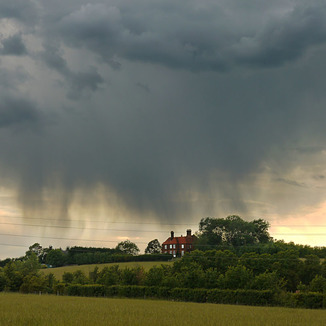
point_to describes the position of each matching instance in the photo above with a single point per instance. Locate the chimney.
(172, 235)
(188, 233)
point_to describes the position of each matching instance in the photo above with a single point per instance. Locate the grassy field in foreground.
(20, 309)
(58, 272)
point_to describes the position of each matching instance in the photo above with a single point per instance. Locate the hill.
(59, 271)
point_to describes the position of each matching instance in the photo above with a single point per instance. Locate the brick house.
(178, 246)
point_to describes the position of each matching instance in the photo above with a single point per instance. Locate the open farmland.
(58, 271)
(20, 309)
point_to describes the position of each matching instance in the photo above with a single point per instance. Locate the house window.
(165, 246)
(174, 246)
(182, 253)
(182, 246)
(170, 252)
(170, 246)
(189, 246)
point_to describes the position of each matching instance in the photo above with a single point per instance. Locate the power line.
(82, 228)
(129, 230)
(135, 230)
(60, 238)
(141, 223)
(96, 221)
(12, 245)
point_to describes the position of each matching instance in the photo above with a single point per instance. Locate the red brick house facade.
(178, 246)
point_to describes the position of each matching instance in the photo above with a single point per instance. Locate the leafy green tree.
(33, 283)
(222, 260)
(56, 258)
(133, 276)
(109, 275)
(189, 273)
(323, 268)
(36, 248)
(238, 277)
(211, 278)
(79, 277)
(14, 278)
(287, 266)
(93, 275)
(50, 282)
(311, 267)
(318, 284)
(3, 280)
(257, 263)
(67, 277)
(268, 281)
(127, 247)
(154, 276)
(153, 247)
(29, 265)
(232, 231)
(39, 251)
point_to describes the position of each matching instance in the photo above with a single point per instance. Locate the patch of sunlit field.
(23, 309)
(58, 271)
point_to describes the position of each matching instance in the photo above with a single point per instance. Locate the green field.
(20, 309)
(58, 272)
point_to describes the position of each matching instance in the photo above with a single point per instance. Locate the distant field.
(20, 309)
(58, 272)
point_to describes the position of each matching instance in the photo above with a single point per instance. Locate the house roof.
(180, 240)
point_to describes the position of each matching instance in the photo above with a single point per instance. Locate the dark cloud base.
(159, 102)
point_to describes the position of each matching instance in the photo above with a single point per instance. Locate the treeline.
(82, 256)
(240, 236)
(125, 251)
(272, 247)
(279, 279)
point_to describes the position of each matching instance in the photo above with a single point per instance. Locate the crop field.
(20, 309)
(58, 272)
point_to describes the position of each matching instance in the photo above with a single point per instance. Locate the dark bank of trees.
(208, 276)
(240, 236)
(123, 252)
(232, 231)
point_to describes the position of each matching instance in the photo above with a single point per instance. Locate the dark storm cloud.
(78, 81)
(287, 38)
(13, 45)
(25, 11)
(18, 112)
(211, 36)
(161, 134)
(10, 79)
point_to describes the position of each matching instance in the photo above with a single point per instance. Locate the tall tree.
(153, 247)
(127, 247)
(233, 231)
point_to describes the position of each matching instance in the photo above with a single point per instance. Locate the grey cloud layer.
(207, 36)
(25, 11)
(13, 45)
(183, 99)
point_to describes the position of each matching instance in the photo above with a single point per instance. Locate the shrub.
(245, 297)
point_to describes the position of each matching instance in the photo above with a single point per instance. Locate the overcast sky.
(161, 112)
